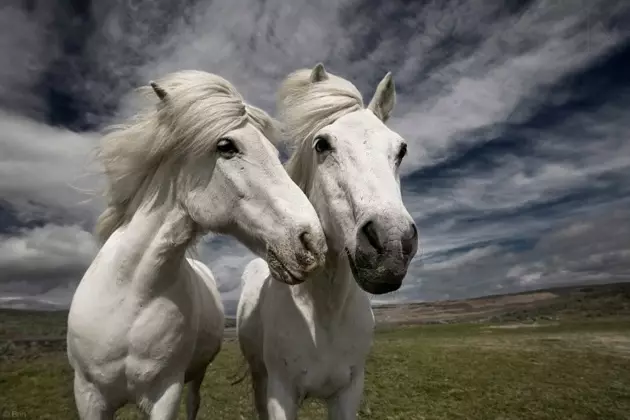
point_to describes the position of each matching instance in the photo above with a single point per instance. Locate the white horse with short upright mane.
(312, 339)
(145, 319)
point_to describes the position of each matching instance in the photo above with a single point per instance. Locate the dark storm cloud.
(28, 47)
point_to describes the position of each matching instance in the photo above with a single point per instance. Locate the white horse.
(312, 339)
(146, 319)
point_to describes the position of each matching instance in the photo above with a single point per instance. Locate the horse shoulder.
(252, 280)
(211, 317)
(262, 295)
(255, 273)
(248, 315)
(97, 324)
(205, 275)
(204, 286)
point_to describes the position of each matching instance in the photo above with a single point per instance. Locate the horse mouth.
(355, 272)
(280, 271)
(375, 288)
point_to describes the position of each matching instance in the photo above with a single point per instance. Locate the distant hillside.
(18, 323)
(554, 303)
(575, 301)
(27, 303)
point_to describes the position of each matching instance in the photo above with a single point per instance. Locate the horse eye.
(402, 152)
(322, 145)
(227, 148)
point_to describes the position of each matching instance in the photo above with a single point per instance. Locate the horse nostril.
(369, 230)
(410, 239)
(309, 259)
(306, 239)
(414, 231)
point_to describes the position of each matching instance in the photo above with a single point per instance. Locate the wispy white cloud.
(569, 156)
(48, 172)
(44, 258)
(507, 75)
(254, 45)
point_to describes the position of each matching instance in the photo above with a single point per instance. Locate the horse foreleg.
(282, 402)
(259, 385)
(164, 401)
(193, 399)
(91, 404)
(345, 404)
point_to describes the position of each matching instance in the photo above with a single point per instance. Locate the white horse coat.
(145, 319)
(312, 339)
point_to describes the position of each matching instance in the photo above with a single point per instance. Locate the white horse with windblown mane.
(145, 319)
(312, 339)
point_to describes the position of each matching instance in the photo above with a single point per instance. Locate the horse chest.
(325, 384)
(325, 376)
(329, 367)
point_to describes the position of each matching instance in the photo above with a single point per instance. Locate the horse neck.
(328, 291)
(157, 237)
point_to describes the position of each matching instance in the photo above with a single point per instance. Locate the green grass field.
(577, 370)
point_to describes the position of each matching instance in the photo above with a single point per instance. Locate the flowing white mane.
(199, 108)
(305, 108)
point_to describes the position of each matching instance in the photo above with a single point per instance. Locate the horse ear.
(319, 73)
(384, 98)
(159, 91)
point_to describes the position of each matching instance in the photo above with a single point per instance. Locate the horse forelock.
(305, 107)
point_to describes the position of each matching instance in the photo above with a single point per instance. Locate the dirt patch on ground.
(616, 344)
(517, 326)
(512, 299)
(460, 310)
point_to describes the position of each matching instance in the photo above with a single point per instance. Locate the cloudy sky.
(517, 117)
